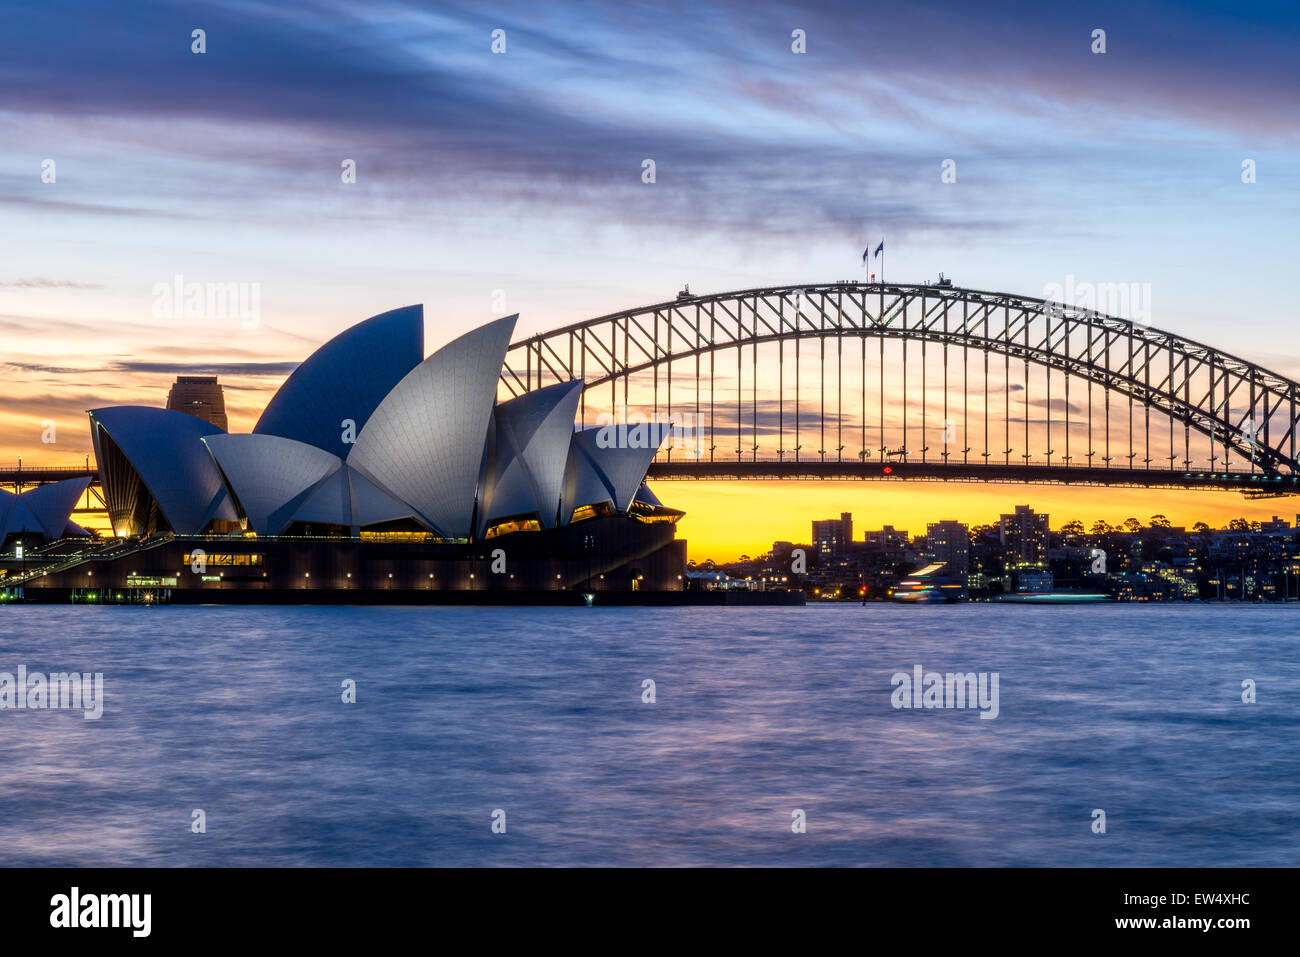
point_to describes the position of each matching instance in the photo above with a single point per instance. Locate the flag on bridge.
(866, 252)
(879, 249)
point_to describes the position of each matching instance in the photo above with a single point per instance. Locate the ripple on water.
(759, 711)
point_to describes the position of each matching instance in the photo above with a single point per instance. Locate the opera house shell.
(44, 511)
(369, 438)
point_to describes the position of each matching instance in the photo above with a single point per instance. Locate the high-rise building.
(200, 396)
(832, 536)
(948, 541)
(887, 537)
(1023, 535)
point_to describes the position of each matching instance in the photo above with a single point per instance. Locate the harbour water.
(539, 712)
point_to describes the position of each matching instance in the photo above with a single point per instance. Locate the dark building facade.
(832, 536)
(1023, 535)
(607, 554)
(948, 541)
(200, 396)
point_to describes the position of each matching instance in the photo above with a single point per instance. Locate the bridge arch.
(1233, 407)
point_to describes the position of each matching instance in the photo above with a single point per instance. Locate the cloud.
(40, 282)
(206, 368)
(49, 204)
(748, 137)
(54, 327)
(164, 367)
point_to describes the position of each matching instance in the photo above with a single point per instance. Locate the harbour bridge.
(856, 380)
(888, 382)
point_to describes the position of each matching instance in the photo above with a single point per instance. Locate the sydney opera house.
(373, 468)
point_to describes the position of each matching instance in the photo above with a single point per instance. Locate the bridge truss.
(931, 381)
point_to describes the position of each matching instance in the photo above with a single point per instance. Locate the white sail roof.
(345, 380)
(270, 476)
(608, 464)
(52, 504)
(148, 455)
(530, 450)
(15, 516)
(424, 443)
(349, 498)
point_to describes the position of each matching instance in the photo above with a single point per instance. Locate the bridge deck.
(37, 475)
(1251, 483)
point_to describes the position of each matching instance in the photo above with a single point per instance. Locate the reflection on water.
(759, 711)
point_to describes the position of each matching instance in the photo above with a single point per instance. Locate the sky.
(499, 182)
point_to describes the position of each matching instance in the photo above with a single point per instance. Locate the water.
(461, 711)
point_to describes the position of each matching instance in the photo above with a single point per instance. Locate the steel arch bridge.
(924, 381)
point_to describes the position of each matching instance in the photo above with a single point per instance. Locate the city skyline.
(1089, 527)
(714, 535)
(1020, 558)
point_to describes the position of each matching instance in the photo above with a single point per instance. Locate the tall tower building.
(1023, 535)
(948, 541)
(832, 536)
(200, 396)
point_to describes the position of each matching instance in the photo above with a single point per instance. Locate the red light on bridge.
(888, 470)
